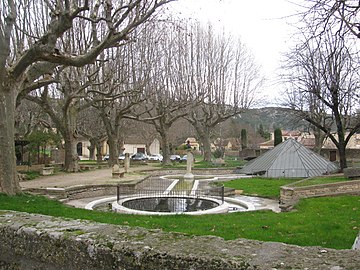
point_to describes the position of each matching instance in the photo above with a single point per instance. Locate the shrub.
(218, 153)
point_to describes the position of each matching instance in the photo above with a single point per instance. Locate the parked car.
(183, 158)
(155, 157)
(121, 157)
(139, 156)
(175, 158)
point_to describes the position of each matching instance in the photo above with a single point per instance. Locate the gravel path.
(100, 176)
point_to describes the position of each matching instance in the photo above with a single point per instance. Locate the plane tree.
(333, 14)
(91, 127)
(63, 103)
(324, 91)
(224, 74)
(30, 32)
(117, 89)
(167, 97)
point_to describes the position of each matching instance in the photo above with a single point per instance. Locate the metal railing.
(125, 192)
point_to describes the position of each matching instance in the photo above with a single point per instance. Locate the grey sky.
(262, 24)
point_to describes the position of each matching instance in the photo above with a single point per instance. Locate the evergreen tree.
(277, 136)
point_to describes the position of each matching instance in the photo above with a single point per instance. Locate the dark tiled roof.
(289, 159)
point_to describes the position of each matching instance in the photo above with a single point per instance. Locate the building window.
(79, 149)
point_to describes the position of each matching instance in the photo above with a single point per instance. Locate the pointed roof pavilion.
(289, 159)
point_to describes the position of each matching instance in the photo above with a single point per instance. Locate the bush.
(218, 153)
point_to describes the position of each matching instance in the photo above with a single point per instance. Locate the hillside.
(271, 118)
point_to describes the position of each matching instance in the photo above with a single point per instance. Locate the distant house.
(266, 145)
(328, 149)
(193, 143)
(132, 145)
(227, 144)
(284, 134)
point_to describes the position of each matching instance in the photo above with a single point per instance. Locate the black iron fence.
(125, 192)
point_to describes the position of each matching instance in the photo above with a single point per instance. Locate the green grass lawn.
(257, 186)
(328, 222)
(320, 180)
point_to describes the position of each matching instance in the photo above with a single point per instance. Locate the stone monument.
(189, 162)
(126, 162)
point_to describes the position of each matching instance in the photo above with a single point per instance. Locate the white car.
(121, 157)
(155, 157)
(175, 158)
(183, 158)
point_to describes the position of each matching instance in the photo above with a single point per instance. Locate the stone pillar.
(127, 162)
(189, 164)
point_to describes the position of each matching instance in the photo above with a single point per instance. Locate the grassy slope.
(264, 187)
(321, 180)
(328, 222)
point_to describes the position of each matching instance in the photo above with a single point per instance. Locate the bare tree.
(324, 73)
(166, 97)
(225, 74)
(120, 86)
(30, 32)
(91, 127)
(29, 116)
(334, 14)
(63, 104)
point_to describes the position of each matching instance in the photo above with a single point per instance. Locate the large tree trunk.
(98, 152)
(9, 182)
(71, 156)
(319, 140)
(92, 148)
(113, 149)
(165, 148)
(205, 139)
(341, 135)
(342, 151)
(343, 161)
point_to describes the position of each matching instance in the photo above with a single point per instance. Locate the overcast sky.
(264, 25)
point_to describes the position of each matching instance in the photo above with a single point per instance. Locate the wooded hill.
(271, 118)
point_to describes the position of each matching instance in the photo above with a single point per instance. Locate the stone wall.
(196, 171)
(79, 192)
(40, 242)
(289, 195)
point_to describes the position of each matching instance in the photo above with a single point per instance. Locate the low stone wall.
(289, 195)
(205, 171)
(352, 172)
(79, 192)
(39, 242)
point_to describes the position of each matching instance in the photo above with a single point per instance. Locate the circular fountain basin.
(109, 203)
(170, 205)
